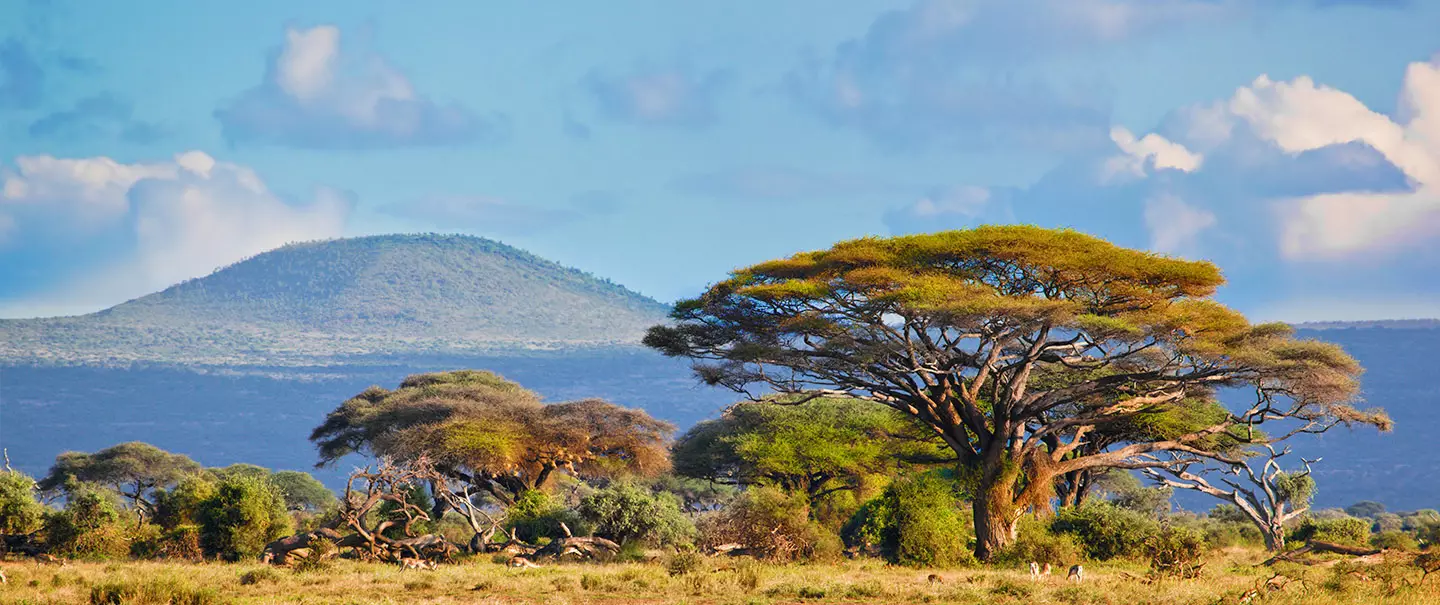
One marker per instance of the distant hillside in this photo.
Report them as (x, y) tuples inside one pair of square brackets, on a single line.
[(1394, 324), (382, 295)]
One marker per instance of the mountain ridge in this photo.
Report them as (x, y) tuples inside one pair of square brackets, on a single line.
[(343, 298)]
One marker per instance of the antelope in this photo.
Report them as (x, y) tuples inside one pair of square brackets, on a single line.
[(1034, 570), (1077, 574), (935, 579), (3, 579), (409, 563), (1045, 571), (521, 562), (49, 559)]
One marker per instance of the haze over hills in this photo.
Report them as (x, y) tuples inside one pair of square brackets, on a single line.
[(316, 302)]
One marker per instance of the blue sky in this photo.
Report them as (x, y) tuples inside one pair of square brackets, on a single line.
[(662, 144)]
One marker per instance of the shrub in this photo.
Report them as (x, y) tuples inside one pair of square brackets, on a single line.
[(914, 522), (627, 513), (243, 515), (1223, 534), (319, 557), (1394, 540), (153, 542), (1367, 509), (536, 515), (1343, 530), (180, 505), (258, 576), (1106, 530), (1176, 551), (773, 524), (20, 512), (683, 563), (1037, 543), (88, 527)]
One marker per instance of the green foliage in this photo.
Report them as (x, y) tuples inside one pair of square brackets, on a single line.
[(817, 447), (915, 522), (88, 527), (390, 294), (1295, 489), (259, 576), (1394, 540), (134, 469), (1037, 543), (243, 515), (165, 590), (1342, 530), (302, 491), (180, 505), (1228, 513), (20, 511), (537, 515), (1175, 551), (773, 524), (684, 563), (625, 513), (1107, 531), (1126, 491)]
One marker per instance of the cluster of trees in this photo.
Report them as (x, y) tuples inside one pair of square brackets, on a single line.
[(1024, 373)]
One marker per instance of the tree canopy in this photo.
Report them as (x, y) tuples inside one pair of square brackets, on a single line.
[(817, 447), (492, 434), (1013, 344), (134, 469)]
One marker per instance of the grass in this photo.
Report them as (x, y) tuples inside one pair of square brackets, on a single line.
[(721, 581)]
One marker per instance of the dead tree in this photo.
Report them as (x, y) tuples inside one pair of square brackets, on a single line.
[(1269, 497)]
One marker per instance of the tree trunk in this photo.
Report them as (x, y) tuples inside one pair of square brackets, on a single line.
[(1274, 537), (996, 521)]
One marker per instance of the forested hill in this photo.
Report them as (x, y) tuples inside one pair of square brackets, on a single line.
[(334, 300)]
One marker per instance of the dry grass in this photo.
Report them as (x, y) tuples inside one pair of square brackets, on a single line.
[(717, 581)]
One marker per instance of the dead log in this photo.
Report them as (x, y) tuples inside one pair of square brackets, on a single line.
[(580, 548), (1319, 546)]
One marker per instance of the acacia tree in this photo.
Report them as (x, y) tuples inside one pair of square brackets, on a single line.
[(134, 469), (820, 447), (1269, 497), (487, 434), (956, 329)]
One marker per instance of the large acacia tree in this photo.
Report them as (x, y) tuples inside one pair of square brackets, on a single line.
[(490, 435), (1013, 344), (134, 469)]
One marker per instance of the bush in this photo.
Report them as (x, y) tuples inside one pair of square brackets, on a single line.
[(150, 541), (1343, 530), (773, 524), (243, 515), (916, 522), (1394, 540), (685, 562), (1037, 543), (259, 576), (1176, 551), (180, 505), (627, 513), (88, 527), (1224, 534), (20, 512), (1106, 530), (536, 515)]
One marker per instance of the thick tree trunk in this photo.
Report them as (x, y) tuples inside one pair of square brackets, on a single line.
[(1274, 537), (996, 521)]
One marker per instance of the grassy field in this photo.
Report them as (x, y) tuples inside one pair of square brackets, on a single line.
[(718, 582)]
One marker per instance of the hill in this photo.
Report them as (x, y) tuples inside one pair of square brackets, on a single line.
[(333, 300)]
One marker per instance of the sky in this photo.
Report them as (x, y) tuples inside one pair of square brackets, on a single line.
[(661, 144)]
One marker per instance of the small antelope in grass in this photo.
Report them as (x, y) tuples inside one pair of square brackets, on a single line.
[(1077, 574), (1034, 570), (1045, 571), (409, 563), (935, 579)]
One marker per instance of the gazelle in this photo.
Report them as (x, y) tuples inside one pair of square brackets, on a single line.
[(409, 563), (1034, 570), (1077, 574)]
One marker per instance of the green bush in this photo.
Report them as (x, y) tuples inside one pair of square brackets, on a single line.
[(1224, 534), (244, 514), (1342, 530), (1394, 540), (88, 527), (259, 576), (1107, 531), (916, 521), (536, 515), (1176, 551), (627, 513), (774, 524), (684, 563), (180, 505), (1037, 543), (20, 512)]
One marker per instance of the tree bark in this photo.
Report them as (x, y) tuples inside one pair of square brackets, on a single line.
[(996, 521)]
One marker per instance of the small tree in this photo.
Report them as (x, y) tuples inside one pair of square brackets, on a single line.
[(133, 469), (817, 448), (1269, 497), (487, 434), (20, 511), (241, 517), (302, 491), (625, 513)]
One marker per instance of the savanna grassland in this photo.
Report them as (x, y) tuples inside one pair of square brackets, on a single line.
[(720, 581)]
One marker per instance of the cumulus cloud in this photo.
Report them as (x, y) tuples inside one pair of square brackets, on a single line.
[(1140, 156), (665, 96), (1174, 225), (162, 222), (317, 94)]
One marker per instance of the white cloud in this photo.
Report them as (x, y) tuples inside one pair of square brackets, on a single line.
[(672, 96), (186, 218), (318, 95), (1174, 225), (1150, 151)]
